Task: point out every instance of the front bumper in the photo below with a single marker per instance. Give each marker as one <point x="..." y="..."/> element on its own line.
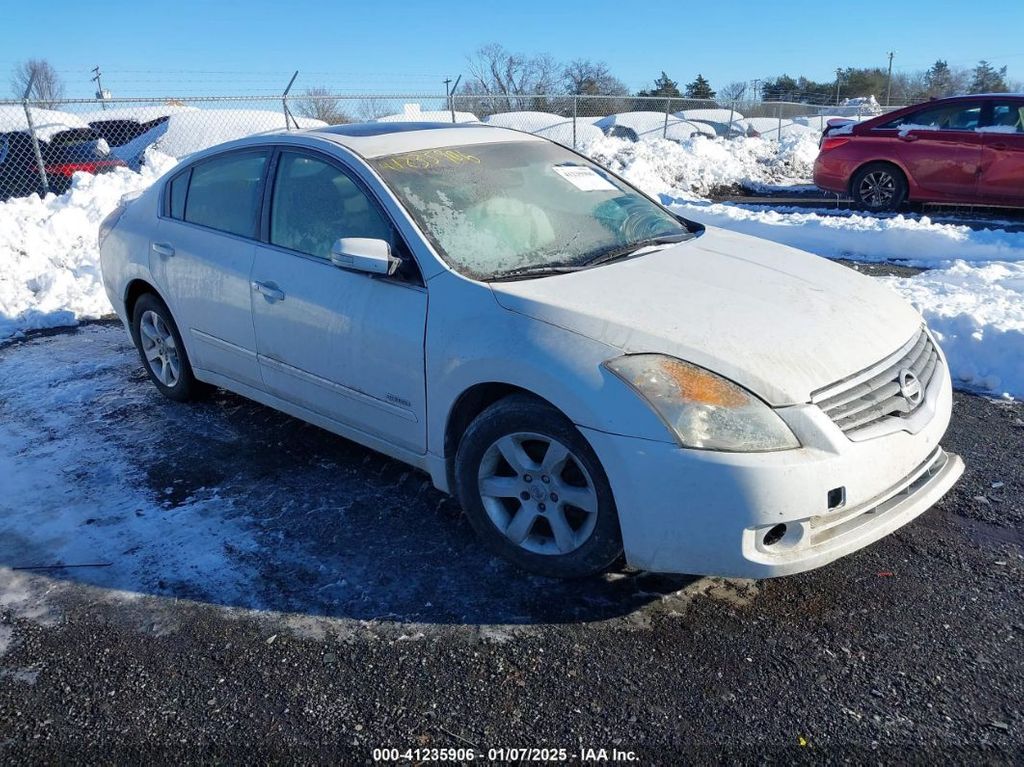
<point x="706" y="512"/>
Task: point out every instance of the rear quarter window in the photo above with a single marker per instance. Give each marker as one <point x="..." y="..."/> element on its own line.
<point x="177" y="192"/>
<point x="224" y="192"/>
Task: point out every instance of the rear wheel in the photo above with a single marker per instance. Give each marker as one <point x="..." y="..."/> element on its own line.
<point x="879" y="187"/>
<point x="162" y="351"/>
<point x="535" y="492"/>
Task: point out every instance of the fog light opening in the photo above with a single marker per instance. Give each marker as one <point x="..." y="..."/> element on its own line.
<point x="774" y="535"/>
<point x="836" y="498"/>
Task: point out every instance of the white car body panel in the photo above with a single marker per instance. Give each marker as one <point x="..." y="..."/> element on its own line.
<point x="385" y="364"/>
<point x="776" y="320"/>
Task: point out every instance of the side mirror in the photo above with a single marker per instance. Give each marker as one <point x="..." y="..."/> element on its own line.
<point x="362" y="254"/>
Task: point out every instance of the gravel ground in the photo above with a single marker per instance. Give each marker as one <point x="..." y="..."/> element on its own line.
<point x="271" y="592"/>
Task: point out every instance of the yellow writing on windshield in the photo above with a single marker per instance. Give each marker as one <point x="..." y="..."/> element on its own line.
<point x="426" y="160"/>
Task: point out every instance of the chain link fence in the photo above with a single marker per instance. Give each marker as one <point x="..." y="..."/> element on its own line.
<point x="43" y="144"/>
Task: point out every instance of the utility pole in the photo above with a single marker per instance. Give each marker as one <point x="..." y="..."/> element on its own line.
<point x="100" y="93"/>
<point x="839" y="74"/>
<point x="888" y="79"/>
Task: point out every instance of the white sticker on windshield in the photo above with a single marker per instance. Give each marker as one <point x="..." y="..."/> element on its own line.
<point x="585" y="178"/>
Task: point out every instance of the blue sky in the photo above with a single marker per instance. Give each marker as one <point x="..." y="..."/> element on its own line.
<point x="184" y="47"/>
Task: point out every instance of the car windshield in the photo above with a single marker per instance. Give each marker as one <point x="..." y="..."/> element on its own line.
<point x="522" y="207"/>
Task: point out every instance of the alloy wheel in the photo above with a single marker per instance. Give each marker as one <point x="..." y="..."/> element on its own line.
<point x="159" y="348"/>
<point x="877" y="189"/>
<point x="537" y="493"/>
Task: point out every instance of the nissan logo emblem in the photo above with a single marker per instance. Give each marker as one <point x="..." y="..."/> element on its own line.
<point x="910" y="387"/>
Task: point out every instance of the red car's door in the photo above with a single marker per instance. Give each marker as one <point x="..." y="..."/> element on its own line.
<point x="1002" y="159"/>
<point x="941" y="150"/>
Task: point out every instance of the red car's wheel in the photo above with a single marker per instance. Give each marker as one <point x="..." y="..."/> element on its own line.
<point x="879" y="186"/>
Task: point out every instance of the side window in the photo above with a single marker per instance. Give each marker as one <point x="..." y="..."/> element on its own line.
<point x="314" y="204"/>
<point x="1008" y="116"/>
<point x="224" y="192"/>
<point x="948" y="117"/>
<point x="176" y="193"/>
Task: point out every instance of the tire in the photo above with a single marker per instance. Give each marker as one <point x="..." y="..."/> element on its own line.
<point x="161" y="350"/>
<point x="505" y="455"/>
<point x="879" y="187"/>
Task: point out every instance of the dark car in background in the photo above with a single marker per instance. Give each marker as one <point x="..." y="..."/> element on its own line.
<point x="64" y="154"/>
<point x="961" y="150"/>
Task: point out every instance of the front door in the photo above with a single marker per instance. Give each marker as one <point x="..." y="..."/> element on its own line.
<point x="941" y="150"/>
<point x="343" y="344"/>
<point x="201" y="257"/>
<point x="1002" y="177"/>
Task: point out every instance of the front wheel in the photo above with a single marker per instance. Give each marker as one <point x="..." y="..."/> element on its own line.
<point x="879" y="187"/>
<point x="162" y="351"/>
<point x="535" y="492"/>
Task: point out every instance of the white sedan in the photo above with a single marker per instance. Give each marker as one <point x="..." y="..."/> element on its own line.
<point x="588" y="373"/>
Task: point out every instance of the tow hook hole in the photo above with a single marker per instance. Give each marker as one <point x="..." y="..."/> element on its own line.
<point x="774" y="535"/>
<point x="836" y="497"/>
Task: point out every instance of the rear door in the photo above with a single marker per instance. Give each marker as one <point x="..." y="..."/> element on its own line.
<point x="941" y="149"/>
<point x="1002" y="163"/>
<point x="202" y="255"/>
<point x="343" y="344"/>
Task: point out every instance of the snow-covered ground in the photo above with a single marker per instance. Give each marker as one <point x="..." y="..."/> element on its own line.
<point x="973" y="297"/>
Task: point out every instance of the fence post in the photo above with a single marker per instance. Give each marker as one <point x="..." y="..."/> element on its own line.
<point x="779" y="112"/>
<point x="574" y="110"/>
<point x="284" y="104"/>
<point x="732" y="111"/>
<point x="35" y="141"/>
<point x="668" y="108"/>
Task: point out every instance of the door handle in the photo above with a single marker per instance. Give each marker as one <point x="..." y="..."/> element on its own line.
<point x="164" y="249"/>
<point x="999" y="146"/>
<point x="909" y="137"/>
<point x="268" y="291"/>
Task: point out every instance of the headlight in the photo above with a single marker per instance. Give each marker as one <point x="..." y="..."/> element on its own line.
<point x="702" y="409"/>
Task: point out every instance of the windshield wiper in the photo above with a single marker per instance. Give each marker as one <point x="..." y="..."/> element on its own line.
<point x="633" y="247"/>
<point x="540" y="270"/>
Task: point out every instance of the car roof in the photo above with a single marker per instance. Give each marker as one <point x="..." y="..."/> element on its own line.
<point x="971" y="97"/>
<point x="384" y="138"/>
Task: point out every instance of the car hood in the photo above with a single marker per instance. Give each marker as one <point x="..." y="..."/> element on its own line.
<point x="778" y="321"/>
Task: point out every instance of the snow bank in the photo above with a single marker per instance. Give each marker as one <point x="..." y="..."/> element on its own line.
<point x="918" y="242"/>
<point x="49" y="259"/>
<point x="696" y="166"/>
<point x="977" y="314"/>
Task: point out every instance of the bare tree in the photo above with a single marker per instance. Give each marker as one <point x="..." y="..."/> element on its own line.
<point x="584" y="77"/>
<point x="734" y="91"/>
<point x="509" y="76"/>
<point x="47" y="87"/>
<point x="372" y="107"/>
<point x="319" y="104"/>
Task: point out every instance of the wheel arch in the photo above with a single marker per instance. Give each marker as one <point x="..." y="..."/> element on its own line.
<point x="134" y="290"/>
<point x="471" y="403"/>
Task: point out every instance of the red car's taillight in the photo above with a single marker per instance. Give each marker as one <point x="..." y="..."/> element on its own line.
<point x="87" y="166"/>
<point x="829" y="143"/>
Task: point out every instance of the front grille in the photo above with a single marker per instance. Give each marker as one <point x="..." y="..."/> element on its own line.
<point x="876" y="393"/>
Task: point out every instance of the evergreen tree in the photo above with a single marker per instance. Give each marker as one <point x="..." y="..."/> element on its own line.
<point x="988" y="79"/>
<point x="699" y="89"/>
<point x="664" y="86"/>
<point x="938" y="80"/>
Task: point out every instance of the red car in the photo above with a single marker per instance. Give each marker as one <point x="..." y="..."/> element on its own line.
<point x="966" y="150"/>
